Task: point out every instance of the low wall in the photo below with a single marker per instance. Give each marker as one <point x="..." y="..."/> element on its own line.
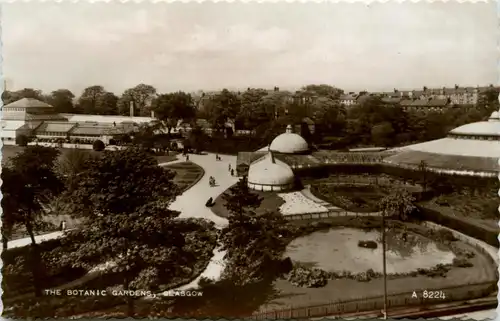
<point x="490" y="236"/>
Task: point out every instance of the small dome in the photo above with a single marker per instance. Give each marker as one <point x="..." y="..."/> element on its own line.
<point x="494" y="116"/>
<point x="289" y="143"/>
<point x="270" y="171"/>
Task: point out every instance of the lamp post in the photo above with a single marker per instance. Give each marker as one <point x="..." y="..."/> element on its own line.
<point x="384" y="270"/>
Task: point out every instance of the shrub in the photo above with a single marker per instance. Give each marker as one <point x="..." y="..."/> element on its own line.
<point x="22" y="140"/>
<point x="309" y="278"/>
<point x="368" y="244"/>
<point x="461" y="262"/>
<point x="98" y="146"/>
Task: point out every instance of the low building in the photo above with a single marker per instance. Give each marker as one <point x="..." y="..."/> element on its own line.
<point x="33" y="118"/>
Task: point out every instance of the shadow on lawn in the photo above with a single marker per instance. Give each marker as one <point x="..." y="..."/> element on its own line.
<point x="223" y="299"/>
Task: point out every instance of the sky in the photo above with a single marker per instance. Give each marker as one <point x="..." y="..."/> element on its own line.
<point x="210" y="46"/>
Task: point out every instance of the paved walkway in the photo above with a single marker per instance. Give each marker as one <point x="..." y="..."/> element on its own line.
<point x="39" y="238"/>
<point x="192" y="202"/>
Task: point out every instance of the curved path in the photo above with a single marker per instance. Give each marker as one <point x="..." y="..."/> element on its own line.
<point x="192" y="202"/>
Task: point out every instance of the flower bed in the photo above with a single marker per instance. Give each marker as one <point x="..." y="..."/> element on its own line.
<point x="297" y="203"/>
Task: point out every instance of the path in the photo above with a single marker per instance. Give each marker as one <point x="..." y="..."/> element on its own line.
<point x="39" y="238"/>
<point x="192" y="202"/>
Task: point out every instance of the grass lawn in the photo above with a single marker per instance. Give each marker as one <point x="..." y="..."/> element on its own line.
<point x="187" y="174"/>
<point x="167" y="158"/>
<point x="270" y="202"/>
<point x="481" y="209"/>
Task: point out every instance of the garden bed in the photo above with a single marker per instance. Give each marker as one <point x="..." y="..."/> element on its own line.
<point x="186" y="174"/>
<point x="357" y="193"/>
<point x="270" y="202"/>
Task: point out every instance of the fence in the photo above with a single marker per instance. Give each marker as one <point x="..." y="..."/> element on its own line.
<point x="319" y="215"/>
<point x="337" y="308"/>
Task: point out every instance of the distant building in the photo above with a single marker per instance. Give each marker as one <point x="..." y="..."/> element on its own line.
<point x="33" y="118"/>
<point x="425" y="104"/>
<point x="349" y="99"/>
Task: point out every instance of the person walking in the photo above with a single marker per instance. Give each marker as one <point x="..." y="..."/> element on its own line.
<point x="63" y="226"/>
<point x="229" y="167"/>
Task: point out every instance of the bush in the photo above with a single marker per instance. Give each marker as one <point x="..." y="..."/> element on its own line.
<point x="309" y="278"/>
<point x="462" y="262"/>
<point x="22" y="140"/>
<point x="98" y="146"/>
<point x="368" y="244"/>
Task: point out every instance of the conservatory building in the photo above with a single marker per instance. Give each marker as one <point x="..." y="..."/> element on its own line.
<point x="270" y="174"/>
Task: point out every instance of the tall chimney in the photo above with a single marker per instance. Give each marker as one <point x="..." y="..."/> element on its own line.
<point x="131" y="109"/>
<point x="153" y="114"/>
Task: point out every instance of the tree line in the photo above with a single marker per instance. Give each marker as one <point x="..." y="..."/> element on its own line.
<point x="266" y="112"/>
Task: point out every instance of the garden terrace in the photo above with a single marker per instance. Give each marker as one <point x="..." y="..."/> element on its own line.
<point x="450" y="164"/>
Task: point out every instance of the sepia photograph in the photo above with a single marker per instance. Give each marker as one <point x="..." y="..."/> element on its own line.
<point x="261" y="161"/>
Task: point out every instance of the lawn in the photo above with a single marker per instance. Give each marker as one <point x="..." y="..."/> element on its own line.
<point x="187" y="174"/>
<point x="481" y="209"/>
<point x="270" y="202"/>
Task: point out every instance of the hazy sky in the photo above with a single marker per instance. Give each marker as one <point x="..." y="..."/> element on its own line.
<point x="215" y="45"/>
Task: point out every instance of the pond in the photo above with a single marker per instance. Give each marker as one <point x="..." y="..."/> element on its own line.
<point x="337" y="250"/>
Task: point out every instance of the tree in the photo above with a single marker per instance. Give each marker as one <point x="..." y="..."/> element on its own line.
<point x="254" y="242"/>
<point x="488" y="100"/>
<point x="29" y="184"/>
<point x="11" y="96"/>
<point x="253" y="109"/>
<point x="170" y="108"/>
<point x="400" y="203"/>
<point x="222" y="107"/>
<point x="382" y="134"/>
<point x="323" y="90"/>
<point x="125" y="198"/>
<point x="197" y="139"/>
<point x="422" y="166"/>
<point x="22" y="140"/>
<point x="107" y="104"/>
<point x="98" y="146"/>
<point x="62" y="100"/>
<point x="71" y="164"/>
<point x="88" y="103"/>
<point x="141" y="96"/>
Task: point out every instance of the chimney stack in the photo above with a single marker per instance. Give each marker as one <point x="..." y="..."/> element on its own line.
<point x="153" y="114"/>
<point x="131" y="109"/>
